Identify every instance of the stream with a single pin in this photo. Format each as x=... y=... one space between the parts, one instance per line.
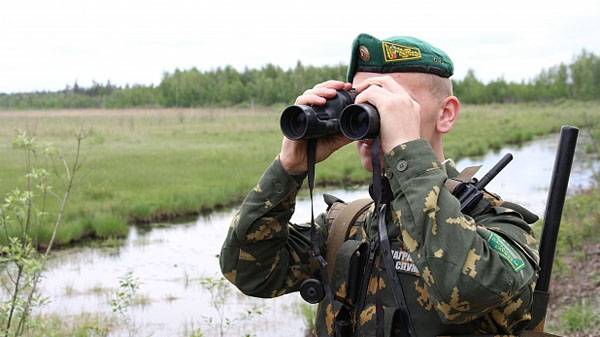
x=171 y=259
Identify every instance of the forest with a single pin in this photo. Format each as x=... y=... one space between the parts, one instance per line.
x=271 y=84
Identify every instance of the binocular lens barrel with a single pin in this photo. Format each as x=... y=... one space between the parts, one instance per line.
x=303 y=122
x=359 y=121
x=294 y=122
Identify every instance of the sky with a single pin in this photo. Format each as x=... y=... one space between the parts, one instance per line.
x=46 y=44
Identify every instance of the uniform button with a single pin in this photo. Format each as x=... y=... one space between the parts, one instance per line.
x=402 y=165
x=278 y=187
x=388 y=174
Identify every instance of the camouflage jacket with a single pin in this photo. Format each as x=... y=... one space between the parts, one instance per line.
x=462 y=275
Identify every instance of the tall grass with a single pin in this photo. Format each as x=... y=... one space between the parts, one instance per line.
x=156 y=164
x=82 y=325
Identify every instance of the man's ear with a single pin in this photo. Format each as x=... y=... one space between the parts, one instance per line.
x=448 y=115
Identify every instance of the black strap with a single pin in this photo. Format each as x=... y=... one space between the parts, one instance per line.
x=385 y=249
x=376 y=164
x=394 y=281
x=376 y=180
x=364 y=285
x=311 y=151
x=373 y=245
x=315 y=238
x=379 y=314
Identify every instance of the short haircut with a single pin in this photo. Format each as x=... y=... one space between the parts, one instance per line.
x=440 y=87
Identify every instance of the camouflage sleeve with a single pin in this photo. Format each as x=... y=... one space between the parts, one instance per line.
x=263 y=255
x=467 y=269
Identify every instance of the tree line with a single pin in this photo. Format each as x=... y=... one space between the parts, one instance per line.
x=272 y=84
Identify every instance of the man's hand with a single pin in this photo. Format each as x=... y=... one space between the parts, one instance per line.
x=293 y=152
x=398 y=111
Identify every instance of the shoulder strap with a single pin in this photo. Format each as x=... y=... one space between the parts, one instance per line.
x=340 y=226
x=463 y=177
x=528 y=216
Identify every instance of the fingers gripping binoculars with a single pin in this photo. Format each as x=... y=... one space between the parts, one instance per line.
x=338 y=115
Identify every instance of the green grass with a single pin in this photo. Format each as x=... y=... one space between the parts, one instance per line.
x=581 y=318
x=580 y=227
x=308 y=313
x=147 y=165
x=141 y=300
x=581 y=222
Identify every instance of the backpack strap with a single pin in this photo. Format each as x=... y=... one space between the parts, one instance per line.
x=340 y=226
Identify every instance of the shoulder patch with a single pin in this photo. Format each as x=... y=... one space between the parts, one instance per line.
x=393 y=52
x=505 y=251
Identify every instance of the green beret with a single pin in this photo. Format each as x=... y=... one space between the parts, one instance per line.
x=397 y=54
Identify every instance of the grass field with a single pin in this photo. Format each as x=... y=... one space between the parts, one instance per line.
x=147 y=165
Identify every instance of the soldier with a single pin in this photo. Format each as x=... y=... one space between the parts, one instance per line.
x=462 y=274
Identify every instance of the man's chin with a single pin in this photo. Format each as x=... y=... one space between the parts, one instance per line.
x=364 y=152
x=366 y=164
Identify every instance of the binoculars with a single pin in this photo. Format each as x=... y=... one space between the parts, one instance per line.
x=338 y=115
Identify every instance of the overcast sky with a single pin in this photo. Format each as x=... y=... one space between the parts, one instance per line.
x=47 y=44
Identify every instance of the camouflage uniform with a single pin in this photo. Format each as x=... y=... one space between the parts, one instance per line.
x=462 y=275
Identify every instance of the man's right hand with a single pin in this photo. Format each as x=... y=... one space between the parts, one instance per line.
x=293 y=152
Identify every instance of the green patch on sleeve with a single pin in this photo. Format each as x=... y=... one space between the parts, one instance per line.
x=506 y=251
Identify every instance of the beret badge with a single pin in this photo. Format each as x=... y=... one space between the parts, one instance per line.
x=363 y=53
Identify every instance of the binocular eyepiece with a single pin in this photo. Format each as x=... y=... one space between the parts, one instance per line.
x=338 y=115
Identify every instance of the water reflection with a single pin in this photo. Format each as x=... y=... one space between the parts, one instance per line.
x=170 y=261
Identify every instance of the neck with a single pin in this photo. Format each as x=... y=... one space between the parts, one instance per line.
x=438 y=148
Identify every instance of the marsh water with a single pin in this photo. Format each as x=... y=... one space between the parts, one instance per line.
x=171 y=259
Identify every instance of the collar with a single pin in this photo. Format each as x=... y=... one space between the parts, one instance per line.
x=449 y=167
